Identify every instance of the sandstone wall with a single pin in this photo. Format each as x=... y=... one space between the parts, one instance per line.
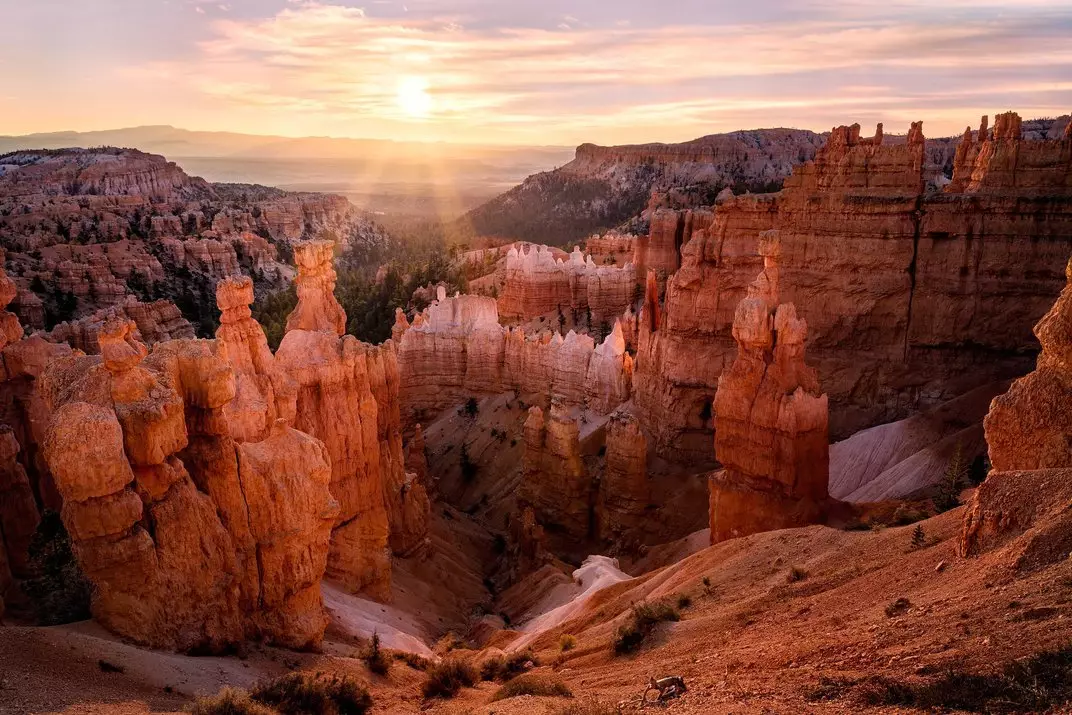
x=537 y=283
x=457 y=349
x=911 y=296
x=156 y=322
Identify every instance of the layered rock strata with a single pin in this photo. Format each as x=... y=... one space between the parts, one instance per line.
x=624 y=492
x=537 y=283
x=1030 y=426
x=157 y=322
x=912 y=296
x=193 y=540
x=456 y=349
x=770 y=419
x=555 y=482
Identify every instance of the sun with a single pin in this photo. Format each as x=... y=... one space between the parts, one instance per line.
x=413 y=97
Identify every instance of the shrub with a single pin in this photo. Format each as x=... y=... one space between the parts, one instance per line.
x=919 y=537
x=795 y=574
x=413 y=660
x=532 y=685
x=446 y=678
x=308 y=694
x=58 y=589
x=229 y=701
x=376 y=660
x=644 y=619
x=567 y=642
x=1041 y=683
x=472 y=407
x=493 y=668
x=684 y=600
x=898 y=607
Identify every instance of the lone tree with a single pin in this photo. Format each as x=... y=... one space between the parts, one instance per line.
x=919 y=537
x=956 y=476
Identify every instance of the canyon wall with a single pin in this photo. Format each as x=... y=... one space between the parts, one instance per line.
x=912 y=296
x=770 y=418
x=457 y=349
x=1029 y=432
x=537 y=283
x=156 y=322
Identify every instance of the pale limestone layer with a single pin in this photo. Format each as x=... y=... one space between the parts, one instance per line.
x=537 y=283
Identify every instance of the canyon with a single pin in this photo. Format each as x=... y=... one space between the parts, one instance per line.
x=788 y=385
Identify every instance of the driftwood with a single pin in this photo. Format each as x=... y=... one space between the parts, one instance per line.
x=658 y=693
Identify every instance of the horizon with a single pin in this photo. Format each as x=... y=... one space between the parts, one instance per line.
x=556 y=74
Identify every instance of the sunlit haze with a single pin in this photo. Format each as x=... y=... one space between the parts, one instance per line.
x=550 y=72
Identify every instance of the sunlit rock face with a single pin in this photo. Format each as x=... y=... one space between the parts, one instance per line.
x=538 y=283
x=193 y=540
x=770 y=419
x=912 y=296
x=317 y=308
x=156 y=322
x=457 y=349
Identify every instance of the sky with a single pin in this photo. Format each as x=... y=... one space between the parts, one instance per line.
x=533 y=72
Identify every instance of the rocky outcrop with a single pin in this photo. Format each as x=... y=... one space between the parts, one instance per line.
x=660 y=250
x=1030 y=426
x=317 y=308
x=457 y=349
x=770 y=419
x=403 y=491
x=536 y=283
x=624 y=491
x=85 y=229
x=910 y=295
x=555 y=483
x=193 y=541
x=335 y=404
x=156 y=322
x=264 y=394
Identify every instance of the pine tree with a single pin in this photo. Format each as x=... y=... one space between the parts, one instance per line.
x=919 y=537
x=948 y=496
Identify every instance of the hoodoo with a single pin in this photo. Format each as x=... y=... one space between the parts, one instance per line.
x=770 y=418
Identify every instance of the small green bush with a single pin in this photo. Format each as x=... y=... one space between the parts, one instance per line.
x=376 y=660
x=684 y=600
x=536 y=685
x=446 y=678
x=644 y=619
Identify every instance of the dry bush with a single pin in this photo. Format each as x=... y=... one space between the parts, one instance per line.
x=229 y=701
x=795 y=574
x=567 y=642
x=446 y=678
x=644 y=619
x=309 y=694
x=376 y=659
x=417 y=662
x=540 y=686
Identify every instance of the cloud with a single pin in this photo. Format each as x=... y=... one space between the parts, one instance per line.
x=525 y=83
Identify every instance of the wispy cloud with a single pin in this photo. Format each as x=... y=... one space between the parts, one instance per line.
x=629 y=70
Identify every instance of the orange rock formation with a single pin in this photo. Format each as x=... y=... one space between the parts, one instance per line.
x=317 y=308
x=910 y=297
x=770 y=419
x=191 y=539
x=457 y=348
x=537 y=283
